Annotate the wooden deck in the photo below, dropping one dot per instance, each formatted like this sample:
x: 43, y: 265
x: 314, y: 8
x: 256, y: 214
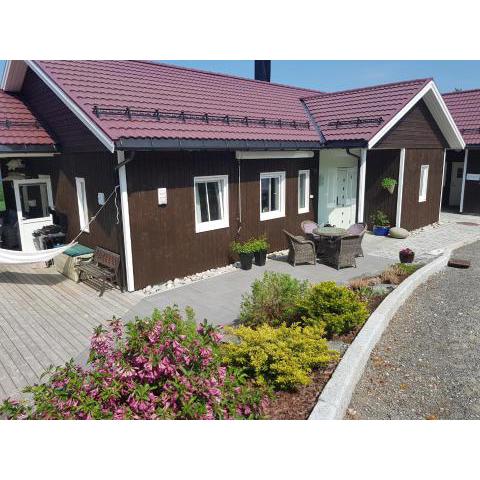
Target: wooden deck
x: 47, y: 319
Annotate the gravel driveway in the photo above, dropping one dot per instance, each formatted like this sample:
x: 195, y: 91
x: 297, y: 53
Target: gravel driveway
x: 427, y: 363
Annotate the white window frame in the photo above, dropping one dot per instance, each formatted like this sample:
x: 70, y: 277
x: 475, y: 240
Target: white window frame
x: 422, y: 191
x: 276, y: 213
x: 224, y: 222
x: 305, y: 209
x: 82, y: 204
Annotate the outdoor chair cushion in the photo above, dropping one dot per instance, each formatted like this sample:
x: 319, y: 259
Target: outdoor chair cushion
x: 397, y: 232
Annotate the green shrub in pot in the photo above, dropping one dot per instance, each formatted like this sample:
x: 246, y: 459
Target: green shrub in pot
x: 245, y: 251
x: 260, y: 248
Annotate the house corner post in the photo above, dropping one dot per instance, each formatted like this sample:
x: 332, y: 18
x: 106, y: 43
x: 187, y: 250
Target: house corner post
x: 401, y: 173
x: 127, y: 240
x: 465, y: 166
x: 361, y: 185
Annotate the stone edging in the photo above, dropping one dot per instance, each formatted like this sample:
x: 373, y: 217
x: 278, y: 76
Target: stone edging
x: 335, y: 397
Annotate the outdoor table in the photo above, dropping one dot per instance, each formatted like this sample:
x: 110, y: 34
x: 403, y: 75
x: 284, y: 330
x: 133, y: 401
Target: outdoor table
x: 329, y: 231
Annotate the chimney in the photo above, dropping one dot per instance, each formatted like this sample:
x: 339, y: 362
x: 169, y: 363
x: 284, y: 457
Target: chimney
x: 262, y: 70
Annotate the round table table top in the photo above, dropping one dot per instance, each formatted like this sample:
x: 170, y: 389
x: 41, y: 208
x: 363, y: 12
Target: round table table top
x: 329, y: 231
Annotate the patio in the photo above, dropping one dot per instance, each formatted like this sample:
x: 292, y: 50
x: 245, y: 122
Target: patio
x: 47, y: 319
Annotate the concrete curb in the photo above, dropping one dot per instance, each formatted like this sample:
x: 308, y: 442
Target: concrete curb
x: 335, y: 397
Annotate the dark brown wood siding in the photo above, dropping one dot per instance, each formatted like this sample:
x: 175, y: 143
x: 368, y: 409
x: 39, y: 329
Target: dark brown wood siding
x: 164, y: 242
x: 417, y: 129
x: 56, y: 117
x: 381, y: 164
x: 98, y: 171
x: 417, y: 214
x: 471, y: 200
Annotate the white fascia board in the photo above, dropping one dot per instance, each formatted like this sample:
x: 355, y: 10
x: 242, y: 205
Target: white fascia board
x: 81, y: 115
x: 26, y: 155
x: 6, y: 72
x: 241, y: 155
x: 439, y: 111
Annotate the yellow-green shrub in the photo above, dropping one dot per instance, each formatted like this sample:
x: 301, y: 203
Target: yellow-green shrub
x: 281, y: 357
x: 336, y: 308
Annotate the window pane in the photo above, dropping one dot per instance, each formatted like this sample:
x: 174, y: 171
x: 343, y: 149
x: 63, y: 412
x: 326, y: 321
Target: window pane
x: 274, y: 194
x: 214, y: 200
x: 202, y: 201
x: 34, y: 200
x: 301, y: 190
x: 265, y: 195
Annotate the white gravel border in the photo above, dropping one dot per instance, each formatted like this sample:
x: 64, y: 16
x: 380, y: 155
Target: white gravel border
x: 335, y: 397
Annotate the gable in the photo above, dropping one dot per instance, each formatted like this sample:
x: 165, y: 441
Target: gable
x: 58, y: 119
x: 417, y: 129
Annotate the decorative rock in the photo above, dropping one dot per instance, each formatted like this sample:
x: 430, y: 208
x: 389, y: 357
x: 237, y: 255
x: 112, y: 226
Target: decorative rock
x: 397, y: 232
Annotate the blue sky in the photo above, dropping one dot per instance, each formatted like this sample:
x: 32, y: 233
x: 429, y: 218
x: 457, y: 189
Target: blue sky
x: 330, y: 75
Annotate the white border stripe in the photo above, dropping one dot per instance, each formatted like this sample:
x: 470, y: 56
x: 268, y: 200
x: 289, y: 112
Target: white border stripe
x: 401, y: 173
x: 361, y: 185
x: 465, y: 166
x: 72, y: 106
x: 127, y: 239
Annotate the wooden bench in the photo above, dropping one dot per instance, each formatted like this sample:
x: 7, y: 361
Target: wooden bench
x: 103, y: 267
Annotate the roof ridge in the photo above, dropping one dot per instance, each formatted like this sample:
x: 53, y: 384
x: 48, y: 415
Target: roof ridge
x: 209, y: 72
x: 462, y: 91
x: 371, y: 87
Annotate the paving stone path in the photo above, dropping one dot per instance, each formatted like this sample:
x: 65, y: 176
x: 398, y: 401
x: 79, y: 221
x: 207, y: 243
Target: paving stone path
x: 427, y: 363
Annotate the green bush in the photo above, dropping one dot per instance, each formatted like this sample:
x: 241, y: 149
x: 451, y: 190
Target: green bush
x: 408, y: 268
x: 259, y: 244
x: 242, y: 247
x: 273, y: 300
x: 282, y: 358
x: 336, y: 308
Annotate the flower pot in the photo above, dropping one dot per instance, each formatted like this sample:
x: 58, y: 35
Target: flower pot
x: 260, y: 258
x: 380, y: 231
x: 246, y: 260
x: 391, y: 188
x: 406, y: 257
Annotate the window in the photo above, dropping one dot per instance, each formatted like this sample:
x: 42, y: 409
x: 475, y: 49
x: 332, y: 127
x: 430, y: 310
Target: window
x: 82, y: 204
x: 422, y: 194
x: 272, y: 195
x: 211, y: 203
x: 303, y: 191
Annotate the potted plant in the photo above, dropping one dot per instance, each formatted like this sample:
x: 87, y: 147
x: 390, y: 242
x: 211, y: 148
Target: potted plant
x: 406, y: 255
x: 260, y: 247
x: 381, y: 223
x: 389, y: 184
x: 245, y: 253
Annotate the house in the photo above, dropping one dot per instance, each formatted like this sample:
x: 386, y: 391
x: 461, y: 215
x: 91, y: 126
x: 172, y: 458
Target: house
x: 202, y: 159
x: 461, y: 189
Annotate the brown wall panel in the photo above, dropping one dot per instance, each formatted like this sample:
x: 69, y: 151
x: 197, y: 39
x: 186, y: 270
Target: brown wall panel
x: 381, y: 164
x: 164, y: 241
x: 56, y: 117
x: 471, y: 201
x: 417, y: 129
x: 417, y: 214
x: 100, y: 176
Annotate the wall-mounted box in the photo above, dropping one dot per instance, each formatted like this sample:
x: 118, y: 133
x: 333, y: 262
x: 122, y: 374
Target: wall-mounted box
x: 162, y: 196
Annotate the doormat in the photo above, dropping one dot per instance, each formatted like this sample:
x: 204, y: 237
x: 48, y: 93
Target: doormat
x: 470, y: 224
x: 458, y: 263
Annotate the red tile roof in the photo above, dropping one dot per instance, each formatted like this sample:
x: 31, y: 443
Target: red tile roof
x: 18, y: 126
x: 150, y: 86
x: 374, y: 106
x: 465, y: 109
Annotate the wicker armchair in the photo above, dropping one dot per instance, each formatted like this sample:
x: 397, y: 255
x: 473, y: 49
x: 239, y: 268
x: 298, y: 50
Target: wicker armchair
x: 358, y: 229
x: 300, y: 250
x: 340, y: 252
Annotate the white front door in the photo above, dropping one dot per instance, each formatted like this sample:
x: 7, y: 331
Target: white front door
x: 343, y: 215
x: 33, y: 198
x: 456, y: 184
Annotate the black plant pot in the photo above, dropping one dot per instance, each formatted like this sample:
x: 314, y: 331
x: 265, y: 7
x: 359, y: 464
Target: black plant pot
x: 246, y: 260
x: 406, y: 257
x: 260, y: 257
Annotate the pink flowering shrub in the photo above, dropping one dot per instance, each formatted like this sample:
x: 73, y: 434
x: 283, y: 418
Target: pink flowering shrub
x: 162, y: 367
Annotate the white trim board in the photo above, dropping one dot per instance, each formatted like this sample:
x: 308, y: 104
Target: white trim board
x: 435, y: 103
x: 401, y: 172
x: 127, y: 239
x: 361, y: 185
x: 465, y: 166
x: 241, y: 155
x: 76, y: 110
